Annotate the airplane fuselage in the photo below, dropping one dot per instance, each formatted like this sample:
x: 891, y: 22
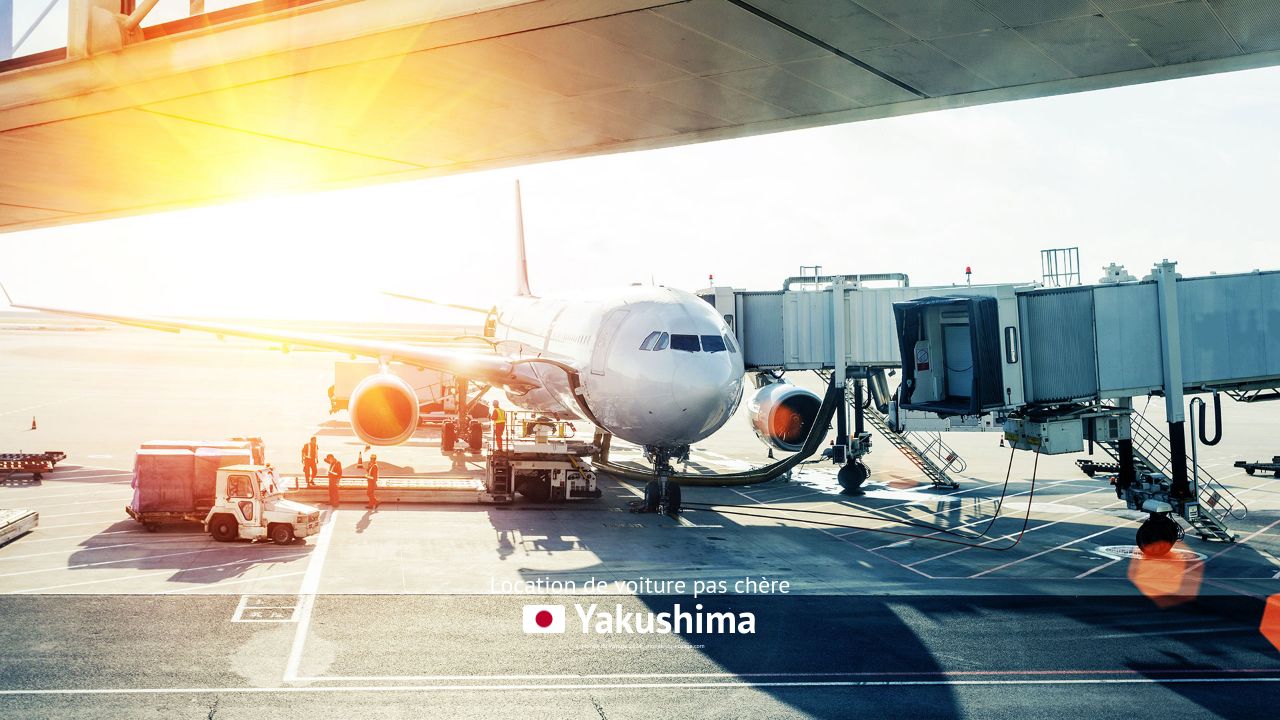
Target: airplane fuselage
x: 656, y: 366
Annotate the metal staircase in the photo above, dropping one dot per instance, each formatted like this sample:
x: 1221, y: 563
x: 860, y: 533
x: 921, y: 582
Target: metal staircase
x: 923, y: 458
x: 1151, y: 459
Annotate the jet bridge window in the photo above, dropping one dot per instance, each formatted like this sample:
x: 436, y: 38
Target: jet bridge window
x: 687, y: 343
x: 712, y: 343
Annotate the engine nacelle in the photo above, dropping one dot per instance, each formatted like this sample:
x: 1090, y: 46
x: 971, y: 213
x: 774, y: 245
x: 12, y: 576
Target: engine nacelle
x: 782, y: 414
x: 384, y: 410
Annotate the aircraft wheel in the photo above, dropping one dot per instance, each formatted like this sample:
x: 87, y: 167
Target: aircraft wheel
x: 448, y: 436
x: 673, y: 498
x: 1156, y: 536
x: 475, y: 437
x: 1249, y: 471
x: 852, y: 475
x: 651, y: 497
x: 223, y: 528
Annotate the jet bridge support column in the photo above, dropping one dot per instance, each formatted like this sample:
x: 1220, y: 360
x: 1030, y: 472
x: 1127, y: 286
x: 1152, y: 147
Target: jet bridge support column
x: 1124, y: 448
x: 1171, y: 350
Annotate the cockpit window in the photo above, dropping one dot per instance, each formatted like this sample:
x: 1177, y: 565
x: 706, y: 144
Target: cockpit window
x: 663, y: 342
x: 728, y: 341
x: 649, y: 341
x: 687, y: 343
x: 712, y: 343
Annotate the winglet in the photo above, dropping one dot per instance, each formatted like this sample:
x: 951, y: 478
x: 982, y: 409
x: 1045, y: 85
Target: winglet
x: 522, y: 263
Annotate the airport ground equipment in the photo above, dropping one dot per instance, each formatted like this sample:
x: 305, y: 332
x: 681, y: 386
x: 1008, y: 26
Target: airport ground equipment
x: 215, y: 484
x: 1252, y: 468
x: 35, y: 463
x: 250, y: 505
x: 1065, y: 363
x: 541, y: 460
x: 15, y: 523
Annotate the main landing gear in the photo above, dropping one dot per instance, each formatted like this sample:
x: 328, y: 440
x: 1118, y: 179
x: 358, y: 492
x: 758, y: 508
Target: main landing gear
x: 662, y: 494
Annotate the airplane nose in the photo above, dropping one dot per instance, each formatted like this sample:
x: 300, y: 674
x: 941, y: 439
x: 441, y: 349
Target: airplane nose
x: 705, y: 397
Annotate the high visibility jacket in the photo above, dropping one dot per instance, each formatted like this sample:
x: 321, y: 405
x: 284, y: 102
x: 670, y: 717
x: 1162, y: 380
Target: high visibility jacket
x: 499, y: 416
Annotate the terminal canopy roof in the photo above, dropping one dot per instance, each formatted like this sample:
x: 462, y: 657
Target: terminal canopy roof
x: 288, y: 95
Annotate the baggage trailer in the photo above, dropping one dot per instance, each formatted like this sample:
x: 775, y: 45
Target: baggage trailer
x: 16, y: 523
x: 1251, y: 468
x: 36, y: 464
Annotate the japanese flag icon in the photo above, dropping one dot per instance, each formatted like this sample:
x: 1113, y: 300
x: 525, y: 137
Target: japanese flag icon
x: 544, y: 618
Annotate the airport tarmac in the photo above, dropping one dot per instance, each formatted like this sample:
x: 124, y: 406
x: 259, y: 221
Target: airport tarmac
x: 410, y: 610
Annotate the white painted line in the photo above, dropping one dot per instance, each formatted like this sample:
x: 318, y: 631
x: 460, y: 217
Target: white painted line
x: 113, y: 509
x: 1011, y: 536
x: 636, y: 686
x: 1103, y: 566
x: 1045, y: 552
x: 308, y: 590
x: 106, y: 562
x: 169, y: 571
x: 239, y: 615
x: 78, y: 548
x: 213, y: 588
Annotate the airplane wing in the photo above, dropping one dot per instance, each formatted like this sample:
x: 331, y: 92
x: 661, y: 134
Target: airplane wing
x: 490, y: 368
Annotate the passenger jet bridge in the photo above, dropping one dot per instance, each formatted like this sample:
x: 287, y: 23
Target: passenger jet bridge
x: 111, y: 107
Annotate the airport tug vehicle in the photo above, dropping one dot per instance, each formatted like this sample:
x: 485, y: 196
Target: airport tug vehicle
x: 251, y: 506
x: 222, y: 485
x: 541, y: 461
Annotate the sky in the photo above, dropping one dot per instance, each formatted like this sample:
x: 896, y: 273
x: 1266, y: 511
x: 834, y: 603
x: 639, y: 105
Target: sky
x: 1184, y: 169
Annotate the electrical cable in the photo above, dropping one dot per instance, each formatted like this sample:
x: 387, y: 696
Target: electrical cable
x: 1026, y: 519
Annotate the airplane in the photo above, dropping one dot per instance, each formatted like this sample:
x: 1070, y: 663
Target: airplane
x: 652, y: 365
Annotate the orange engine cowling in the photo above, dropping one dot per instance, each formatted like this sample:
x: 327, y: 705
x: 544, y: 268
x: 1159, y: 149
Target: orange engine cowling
x: 384, y: 410
x: 782, y: 414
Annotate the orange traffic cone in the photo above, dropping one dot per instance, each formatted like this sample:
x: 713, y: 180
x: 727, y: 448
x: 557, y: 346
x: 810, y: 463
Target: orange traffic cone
x: 33, y: 422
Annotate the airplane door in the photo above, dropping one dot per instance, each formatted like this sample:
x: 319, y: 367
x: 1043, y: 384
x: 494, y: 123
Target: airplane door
x: 604, y: 341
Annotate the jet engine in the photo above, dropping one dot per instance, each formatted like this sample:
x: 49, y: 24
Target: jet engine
x: 384, y: 410
x: 782, y: 414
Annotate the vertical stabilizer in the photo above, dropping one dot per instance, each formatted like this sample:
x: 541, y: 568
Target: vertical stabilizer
x: 522, y: 264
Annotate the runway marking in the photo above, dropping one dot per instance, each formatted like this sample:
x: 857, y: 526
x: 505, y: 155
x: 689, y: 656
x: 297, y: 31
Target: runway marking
x: 987, y: 520
x: 635, y: 686
x: 834, y: 536
x: 106, y: 562
x: 214, y: 587
x: 246, y: 613
x: 95, y: 547
x: 1045, y: 552
x: 307, y: 591
x: 86, y: 512
x: 1013, y: 535
x: 943, y: 512
x: 1103, y: 566
x: 81, y: 493
x: 169, y: 571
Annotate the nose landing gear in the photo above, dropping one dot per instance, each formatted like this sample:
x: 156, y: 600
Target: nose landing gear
x: 662, y: 494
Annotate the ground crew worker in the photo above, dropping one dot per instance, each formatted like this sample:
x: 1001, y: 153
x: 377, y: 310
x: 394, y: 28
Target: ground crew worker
x: 311, y: 461
x: 371, y: 478
x: 335, y: 476
x: 499, y: 417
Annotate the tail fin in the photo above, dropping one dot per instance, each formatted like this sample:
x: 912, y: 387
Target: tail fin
x: 522, y: 263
